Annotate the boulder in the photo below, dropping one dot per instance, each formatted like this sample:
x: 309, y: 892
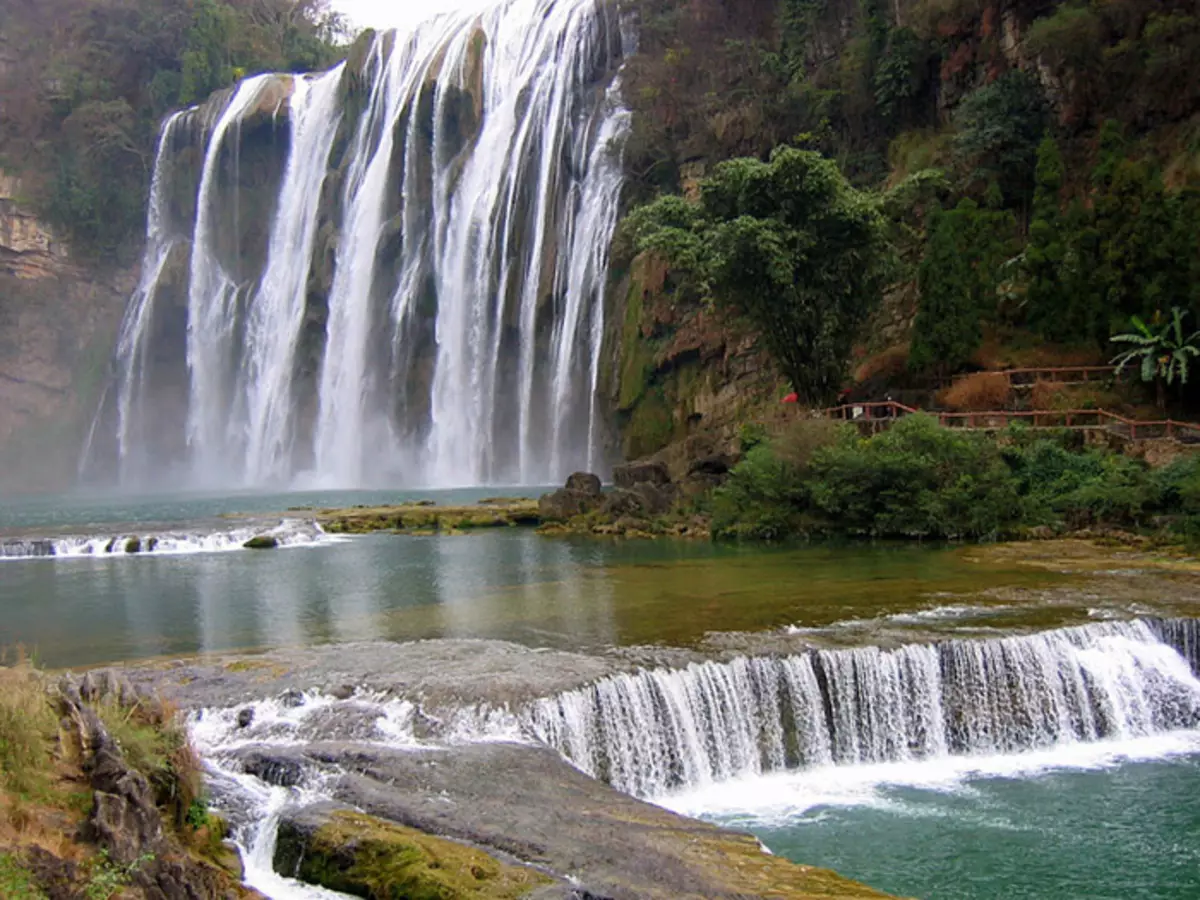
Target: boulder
x: 658, y: 499
x: 585, y: 483
x: 621, y: 502
x: 262, y: 542
x: 631, y: 474
x: 565, y: 504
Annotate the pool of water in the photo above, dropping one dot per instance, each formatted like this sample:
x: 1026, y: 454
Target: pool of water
x: 1102, y: 823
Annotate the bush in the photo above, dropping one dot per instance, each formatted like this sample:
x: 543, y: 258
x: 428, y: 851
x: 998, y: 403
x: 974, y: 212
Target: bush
x: 919, y: 480
x: 981, y: 392
x: 916, y: 480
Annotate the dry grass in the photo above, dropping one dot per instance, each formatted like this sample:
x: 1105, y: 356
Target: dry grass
x: 28, y: 728
x: 982, y: 392
x: 891, y: 363
x: 1020, y: 351
x: 1050, y: 395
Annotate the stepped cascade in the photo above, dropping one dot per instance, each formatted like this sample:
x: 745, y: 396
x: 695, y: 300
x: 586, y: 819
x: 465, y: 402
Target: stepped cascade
x: 652, y: 732
x: 390, y: 272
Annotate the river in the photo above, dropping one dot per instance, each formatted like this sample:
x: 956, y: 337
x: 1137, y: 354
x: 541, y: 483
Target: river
x: 1099, y: 814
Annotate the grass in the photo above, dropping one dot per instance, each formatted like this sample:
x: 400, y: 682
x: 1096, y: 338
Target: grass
x: 28, y: 727
x: 17, y: 882
x: 155, y: 744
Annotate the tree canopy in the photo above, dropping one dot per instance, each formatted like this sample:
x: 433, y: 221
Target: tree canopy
x: 80, y: 124
x: 787, y: 245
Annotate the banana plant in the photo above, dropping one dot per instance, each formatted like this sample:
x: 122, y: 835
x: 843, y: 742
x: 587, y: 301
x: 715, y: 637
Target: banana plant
x: 1160, y: 350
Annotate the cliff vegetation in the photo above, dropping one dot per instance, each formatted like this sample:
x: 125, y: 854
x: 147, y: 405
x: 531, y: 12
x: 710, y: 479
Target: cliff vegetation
x: 1037, y: 164
x: 86, y: 84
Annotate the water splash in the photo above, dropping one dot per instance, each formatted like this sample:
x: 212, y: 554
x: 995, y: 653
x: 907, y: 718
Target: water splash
x: 659, y: 731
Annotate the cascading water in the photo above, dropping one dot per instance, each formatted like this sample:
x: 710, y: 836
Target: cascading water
x: 411, y: 288
x: 657, y: 731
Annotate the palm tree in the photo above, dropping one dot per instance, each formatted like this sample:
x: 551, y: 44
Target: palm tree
x: 1161, y: 349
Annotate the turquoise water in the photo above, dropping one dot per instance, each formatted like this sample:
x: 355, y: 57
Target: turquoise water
x: 1082, y: 823
x: 99, y: 510
x: 1125, y: 832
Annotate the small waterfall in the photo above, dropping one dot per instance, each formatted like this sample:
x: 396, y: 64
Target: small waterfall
x: 656, y: 731
x: 409, y: 287
x: 132, y: 344
x: 287, y: 533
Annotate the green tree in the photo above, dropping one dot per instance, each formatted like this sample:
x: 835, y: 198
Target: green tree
x: 1000, y: 126
x: 790, y: 247
x: 957, y: 280
x: 1160, y: 350
x: 948, y: 327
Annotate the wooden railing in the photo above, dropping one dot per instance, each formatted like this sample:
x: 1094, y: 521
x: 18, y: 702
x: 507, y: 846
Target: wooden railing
x: 1018, y: 378
x: 875, y: 417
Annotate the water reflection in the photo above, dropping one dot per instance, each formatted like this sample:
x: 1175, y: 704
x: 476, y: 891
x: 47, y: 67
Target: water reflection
x: 509, y: 585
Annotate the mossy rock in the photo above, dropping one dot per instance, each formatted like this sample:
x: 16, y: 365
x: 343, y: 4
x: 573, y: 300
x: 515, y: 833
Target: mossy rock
x: 368, y: 857
x: 262, y: 542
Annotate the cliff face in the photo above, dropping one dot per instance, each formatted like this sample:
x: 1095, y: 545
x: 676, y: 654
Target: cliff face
x: 58, y: 322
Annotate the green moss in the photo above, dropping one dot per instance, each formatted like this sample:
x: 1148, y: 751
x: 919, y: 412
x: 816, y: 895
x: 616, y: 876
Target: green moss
x: 367, y: 857
x: 650, y: 425
x: 637, y: 354
x: 424, y: 518
x: 262, y: 542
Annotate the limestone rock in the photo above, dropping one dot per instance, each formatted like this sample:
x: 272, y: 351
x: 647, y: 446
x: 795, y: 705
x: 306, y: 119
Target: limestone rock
x: 621, y: 502
x: 631, y: 474
x: 585, y: 483
x: 658, y: 499
x: 565, y: 504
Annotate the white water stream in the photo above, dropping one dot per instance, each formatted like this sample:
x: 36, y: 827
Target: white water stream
x: 459, y: 189
x: 764, y: 738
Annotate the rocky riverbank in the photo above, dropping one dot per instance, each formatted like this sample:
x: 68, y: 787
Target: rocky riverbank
x: 420, y: 776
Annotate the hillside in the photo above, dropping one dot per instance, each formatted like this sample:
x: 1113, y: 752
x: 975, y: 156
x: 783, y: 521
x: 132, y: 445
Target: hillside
x: 1035, y: 163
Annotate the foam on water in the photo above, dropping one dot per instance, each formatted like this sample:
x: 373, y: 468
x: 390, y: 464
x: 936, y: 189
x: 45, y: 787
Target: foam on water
x: 778, y: 798
x: 287, y: 534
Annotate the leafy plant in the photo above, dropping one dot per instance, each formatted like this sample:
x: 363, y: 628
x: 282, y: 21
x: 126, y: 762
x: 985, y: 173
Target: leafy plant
x: 107, y: 877
x: 789, y: 247
x: 1160, y: 350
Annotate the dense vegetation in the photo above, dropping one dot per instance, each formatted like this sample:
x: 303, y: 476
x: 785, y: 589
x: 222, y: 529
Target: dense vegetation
x: 787, y: 245
x: 86, y: 83
x: 1039, y: 161
x: 921, y: 480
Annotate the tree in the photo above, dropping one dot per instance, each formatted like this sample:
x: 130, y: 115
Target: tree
x: 1000, y: 127
x: 958, y: 279
x: 1161, y: 351
x: 947, y: 330
x: 789, y: 247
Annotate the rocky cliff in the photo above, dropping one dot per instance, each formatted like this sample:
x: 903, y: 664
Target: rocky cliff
x: 58, y: 322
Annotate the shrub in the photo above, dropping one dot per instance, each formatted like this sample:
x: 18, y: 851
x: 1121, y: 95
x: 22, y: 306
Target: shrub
x: 916, y: 480
x: 980, y: 392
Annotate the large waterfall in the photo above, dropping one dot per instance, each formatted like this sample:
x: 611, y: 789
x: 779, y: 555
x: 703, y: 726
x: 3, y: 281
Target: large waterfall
x: 392, y: 272
x: 656, y: 731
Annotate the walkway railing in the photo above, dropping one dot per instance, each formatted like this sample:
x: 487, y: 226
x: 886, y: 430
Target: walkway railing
x: 1020, y: 378
x: 876, y: 416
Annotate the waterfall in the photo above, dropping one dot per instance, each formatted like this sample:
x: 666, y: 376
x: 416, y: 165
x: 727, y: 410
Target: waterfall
x: 132, y: 340
x: 399, y: 278
x: 277, y: 312
x: 211, y: 307
x: 652, y: 732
